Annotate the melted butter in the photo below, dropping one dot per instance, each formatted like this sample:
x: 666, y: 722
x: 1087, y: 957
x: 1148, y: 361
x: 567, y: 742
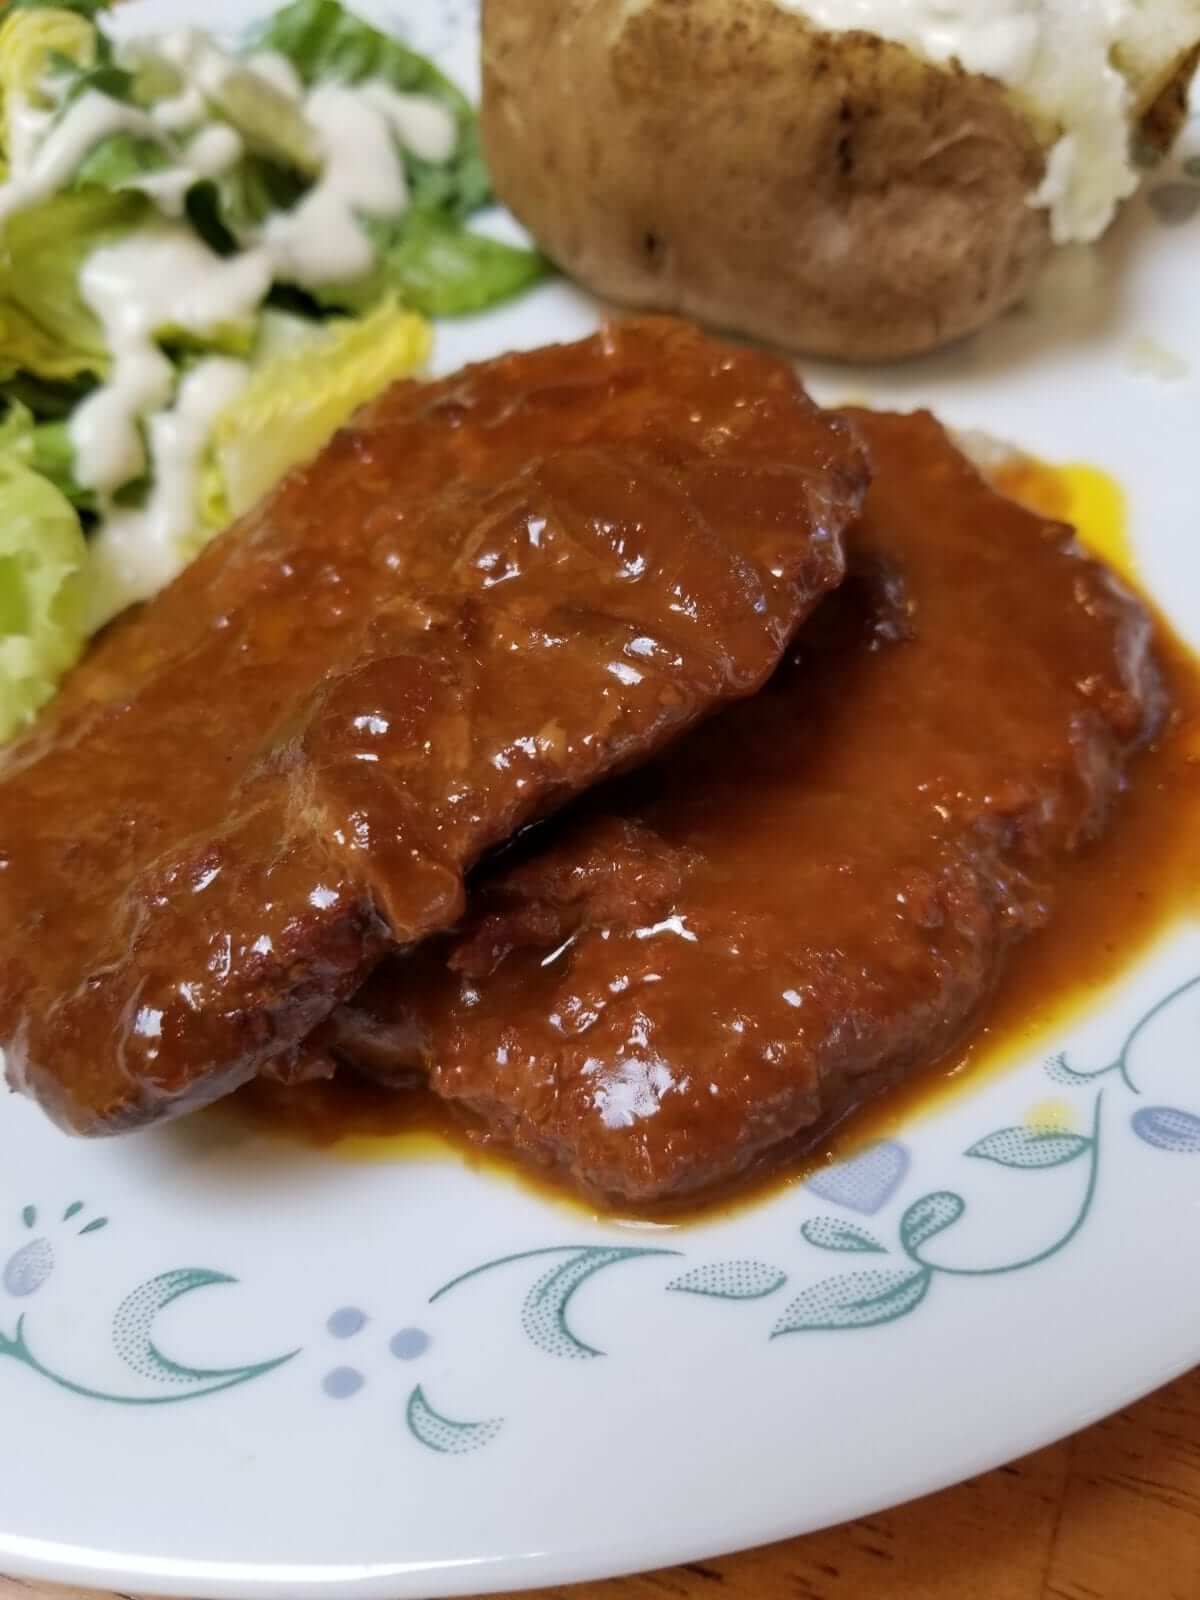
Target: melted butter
x: 1116, y: 899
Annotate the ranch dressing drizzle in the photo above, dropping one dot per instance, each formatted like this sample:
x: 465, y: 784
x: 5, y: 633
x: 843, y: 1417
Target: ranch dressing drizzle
x: 422, y: 124
x: 358, y: 126
x: 278, y: 72
x: 42, y: 166
x: 359, y: 130
x: 204, y: 67
x: 163, y: 277
x: 25, y: 127
x: 180, y: 114
x: 322, y: 240
x: 137, y: 552
x: 210, y: 154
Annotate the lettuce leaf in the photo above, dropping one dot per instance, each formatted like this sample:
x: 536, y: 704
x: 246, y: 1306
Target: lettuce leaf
x: 298, y: 396
x: 226, y: 209
x: 438, y: 267
x: 32, y: 45
x: 42, y: 556
x: 103, y: 75
x: 52, y: 454
x: 323, y: 40
x: 45, y: 326
x: 47, y: 399
x: 15, y: 427
x: 90, y: 9
x: 47, y: 448
x: 269, y: 122
x: 426, y: 257
x: 119, y: 161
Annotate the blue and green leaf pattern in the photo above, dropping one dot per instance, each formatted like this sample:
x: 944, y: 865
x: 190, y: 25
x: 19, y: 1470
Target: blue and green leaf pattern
x: 883, y: 1281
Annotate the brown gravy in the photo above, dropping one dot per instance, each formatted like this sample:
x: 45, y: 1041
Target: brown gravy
x: 482, y: 597
x: 1115, y: 900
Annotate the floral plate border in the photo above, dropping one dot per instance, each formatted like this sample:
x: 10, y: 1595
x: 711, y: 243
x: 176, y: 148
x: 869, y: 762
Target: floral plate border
x: 863, y: 1296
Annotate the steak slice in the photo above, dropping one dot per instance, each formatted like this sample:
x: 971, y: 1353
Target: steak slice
x: 812, y: 895
x: 483, y: 596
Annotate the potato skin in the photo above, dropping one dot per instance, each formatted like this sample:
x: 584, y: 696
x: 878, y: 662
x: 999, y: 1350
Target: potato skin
x: 830, y: 193
x: 1163, y: 108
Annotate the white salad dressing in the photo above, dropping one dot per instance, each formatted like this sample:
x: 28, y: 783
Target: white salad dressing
x: 104, y: 429
x: 135, y: 553
x: 45, y: 165
x: 421, y: 123
x: 211, y: 153
x: 359, y: 130
x: 214, y: 150
x: 358, y: 127
x: 1059, y: 56
x: 200, y: 62
x: 321, y: 240
x: 162, y: 278
x: 183, y: 112
x: 25, y: 127
x: 159, y: 278
x: 278, y: 71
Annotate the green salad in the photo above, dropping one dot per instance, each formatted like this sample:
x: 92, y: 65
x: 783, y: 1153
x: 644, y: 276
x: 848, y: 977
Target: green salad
x: 209, y: 257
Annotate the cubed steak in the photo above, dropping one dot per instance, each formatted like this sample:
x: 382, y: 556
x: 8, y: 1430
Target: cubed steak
x: 483, y: 596
x: 814, y: 894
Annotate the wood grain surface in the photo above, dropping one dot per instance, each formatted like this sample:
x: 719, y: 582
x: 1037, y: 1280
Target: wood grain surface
x: 1111, y: 1514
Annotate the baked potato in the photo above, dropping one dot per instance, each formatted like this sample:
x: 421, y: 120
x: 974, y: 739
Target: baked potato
x: 833, y: 192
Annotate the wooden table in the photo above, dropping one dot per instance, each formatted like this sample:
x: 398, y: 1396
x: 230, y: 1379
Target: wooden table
x: 1112, y: 1514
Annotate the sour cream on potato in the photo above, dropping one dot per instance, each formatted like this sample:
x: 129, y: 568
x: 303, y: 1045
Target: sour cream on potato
x: 1075, y: 66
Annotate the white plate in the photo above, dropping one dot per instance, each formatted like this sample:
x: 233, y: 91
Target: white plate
x: 586, y: 1398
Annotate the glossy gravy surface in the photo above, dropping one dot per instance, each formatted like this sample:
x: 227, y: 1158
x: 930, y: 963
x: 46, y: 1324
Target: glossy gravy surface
x: 485, y: 595
x: 1112, y: 901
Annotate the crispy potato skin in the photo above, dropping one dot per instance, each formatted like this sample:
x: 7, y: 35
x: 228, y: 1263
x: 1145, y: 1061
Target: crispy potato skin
x: 1163, y: 108
x: 720, y: 158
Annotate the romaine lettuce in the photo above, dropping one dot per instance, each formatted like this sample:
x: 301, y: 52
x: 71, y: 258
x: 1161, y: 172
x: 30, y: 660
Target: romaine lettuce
x: 42, y: 555
x: 438, y: 267
x: 270, y: 122
x: 426, y: 256
x: 44, y: 446
x: 323, y: 40
x: 81, y: 8
x: 298, y: 397
x: 31, y: 43
x: 52, y: 454
x: 119, y: 161
x: 45, y: 326
x: 226, y: 209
